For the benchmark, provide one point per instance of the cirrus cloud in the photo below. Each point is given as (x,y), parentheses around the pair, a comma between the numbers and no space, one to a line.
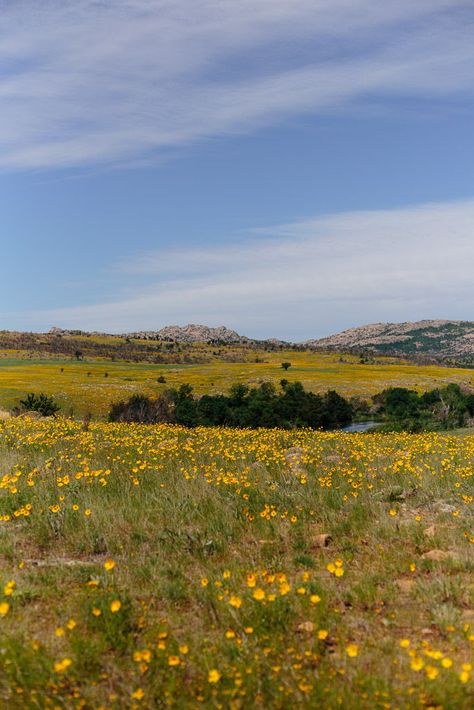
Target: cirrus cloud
(86,82)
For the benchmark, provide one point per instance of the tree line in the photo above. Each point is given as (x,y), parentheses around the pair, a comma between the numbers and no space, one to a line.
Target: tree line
(393,409)
(406,410)
(244,406)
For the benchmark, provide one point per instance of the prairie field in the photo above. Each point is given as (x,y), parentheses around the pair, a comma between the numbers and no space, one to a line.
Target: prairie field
(163,567)
(90,386)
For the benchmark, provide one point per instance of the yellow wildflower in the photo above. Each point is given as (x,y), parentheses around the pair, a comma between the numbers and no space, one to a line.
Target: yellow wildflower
(417,664)
(352,650)
(214,676)
(61,666)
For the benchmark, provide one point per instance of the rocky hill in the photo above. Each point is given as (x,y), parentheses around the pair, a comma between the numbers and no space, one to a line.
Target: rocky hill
(193,334)
(437,338)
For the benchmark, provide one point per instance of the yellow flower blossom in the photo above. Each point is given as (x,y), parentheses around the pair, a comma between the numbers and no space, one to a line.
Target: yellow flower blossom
(62,666)
(431,672)
(214,676)
(417,663)
(352,650)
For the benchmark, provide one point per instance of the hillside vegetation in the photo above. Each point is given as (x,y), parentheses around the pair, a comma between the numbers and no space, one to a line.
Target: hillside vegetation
(442,339)
(92,385)
(154,567)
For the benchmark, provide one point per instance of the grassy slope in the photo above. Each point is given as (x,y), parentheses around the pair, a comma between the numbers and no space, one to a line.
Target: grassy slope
(226,598)
(75,388)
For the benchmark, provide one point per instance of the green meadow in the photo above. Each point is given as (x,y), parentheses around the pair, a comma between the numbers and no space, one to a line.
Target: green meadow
(91,385)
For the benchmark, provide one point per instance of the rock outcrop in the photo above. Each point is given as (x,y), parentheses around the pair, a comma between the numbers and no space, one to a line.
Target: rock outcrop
(193,334)
(440,338)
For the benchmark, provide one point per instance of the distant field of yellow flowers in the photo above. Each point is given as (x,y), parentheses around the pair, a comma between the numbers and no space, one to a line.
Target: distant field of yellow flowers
(92,385)
(159,567)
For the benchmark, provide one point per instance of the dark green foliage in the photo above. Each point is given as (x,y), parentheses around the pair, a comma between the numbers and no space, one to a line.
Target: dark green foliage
(470,404)
(244,407)
(213,410)
(185,406)
(286,365)
(337,410)
(41,403)
(403,409)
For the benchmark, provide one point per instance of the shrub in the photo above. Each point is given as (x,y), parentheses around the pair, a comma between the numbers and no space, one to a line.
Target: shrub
(143,410)
(41,403)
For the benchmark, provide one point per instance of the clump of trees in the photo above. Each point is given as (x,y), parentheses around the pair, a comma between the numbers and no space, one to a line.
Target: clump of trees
(244,406)
(407,410)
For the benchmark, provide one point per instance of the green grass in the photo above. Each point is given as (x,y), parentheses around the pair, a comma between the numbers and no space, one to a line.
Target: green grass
(84,387)
(227,598)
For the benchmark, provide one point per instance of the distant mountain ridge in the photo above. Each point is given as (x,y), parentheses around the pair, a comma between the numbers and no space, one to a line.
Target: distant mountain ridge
(437,338)
(193,333)
(440,339)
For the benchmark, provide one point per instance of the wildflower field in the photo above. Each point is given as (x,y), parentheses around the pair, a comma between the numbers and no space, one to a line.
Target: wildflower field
(157,566)
(92,385)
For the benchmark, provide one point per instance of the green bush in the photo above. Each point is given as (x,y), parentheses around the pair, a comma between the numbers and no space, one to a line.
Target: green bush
(42,403)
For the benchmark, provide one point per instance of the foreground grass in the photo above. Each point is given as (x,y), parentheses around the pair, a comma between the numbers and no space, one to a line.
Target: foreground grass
(92,385)
(153,567)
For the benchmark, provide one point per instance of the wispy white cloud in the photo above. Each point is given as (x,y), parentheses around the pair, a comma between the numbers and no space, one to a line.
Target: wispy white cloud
(316,277)
(86,82)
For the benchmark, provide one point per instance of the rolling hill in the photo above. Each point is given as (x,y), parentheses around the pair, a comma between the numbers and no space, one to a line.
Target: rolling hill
(447,339)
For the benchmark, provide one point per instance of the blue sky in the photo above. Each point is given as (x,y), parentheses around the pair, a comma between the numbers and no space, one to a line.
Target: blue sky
(287,168)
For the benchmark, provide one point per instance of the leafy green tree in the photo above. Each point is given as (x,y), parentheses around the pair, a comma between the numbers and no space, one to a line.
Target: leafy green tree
(338,410)
(453,406)
(185,407)
(214,410)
